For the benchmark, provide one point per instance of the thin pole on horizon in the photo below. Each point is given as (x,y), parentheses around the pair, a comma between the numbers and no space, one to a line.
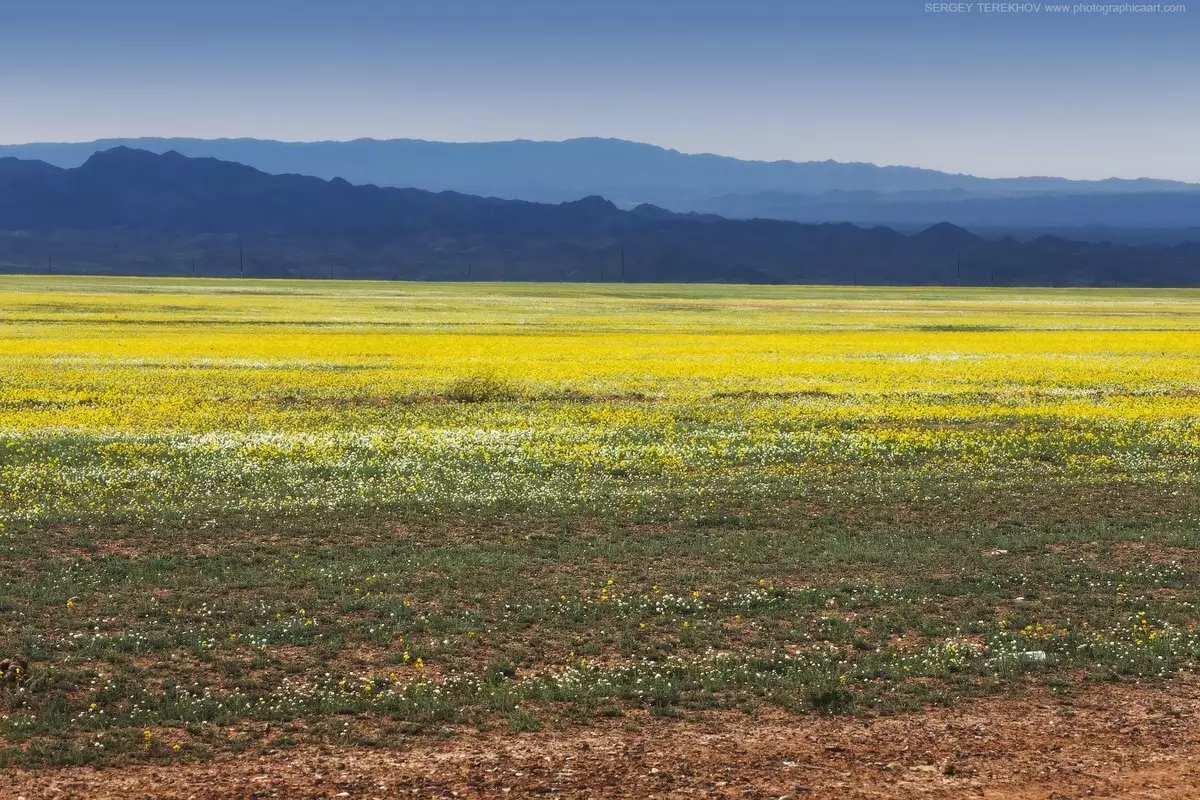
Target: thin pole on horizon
(622,265)
(241,261)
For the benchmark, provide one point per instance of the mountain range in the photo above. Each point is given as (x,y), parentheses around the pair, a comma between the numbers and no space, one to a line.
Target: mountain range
(632,173)
(134,211)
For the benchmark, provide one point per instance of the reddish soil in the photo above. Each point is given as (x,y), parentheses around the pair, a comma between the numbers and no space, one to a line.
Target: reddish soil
(1108,741)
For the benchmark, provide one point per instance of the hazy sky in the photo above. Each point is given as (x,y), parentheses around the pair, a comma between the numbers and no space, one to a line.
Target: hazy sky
(989,90)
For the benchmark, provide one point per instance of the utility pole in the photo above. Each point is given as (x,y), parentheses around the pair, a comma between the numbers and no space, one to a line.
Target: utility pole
(193,267)
(622,265)
(50,266)
(241,261)
(958,270)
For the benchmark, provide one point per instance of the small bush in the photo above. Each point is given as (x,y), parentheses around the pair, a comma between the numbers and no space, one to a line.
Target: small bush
(831,701)
(480,389)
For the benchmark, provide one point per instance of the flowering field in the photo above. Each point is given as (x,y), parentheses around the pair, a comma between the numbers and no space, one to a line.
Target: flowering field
(251,514)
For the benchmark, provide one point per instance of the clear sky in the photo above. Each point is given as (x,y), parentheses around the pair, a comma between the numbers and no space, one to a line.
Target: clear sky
(989,89)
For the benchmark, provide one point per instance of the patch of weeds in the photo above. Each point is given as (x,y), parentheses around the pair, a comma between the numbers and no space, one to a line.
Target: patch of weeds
(522,721)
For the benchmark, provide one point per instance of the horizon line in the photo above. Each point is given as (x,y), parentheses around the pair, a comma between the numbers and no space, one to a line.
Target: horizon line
(617,139)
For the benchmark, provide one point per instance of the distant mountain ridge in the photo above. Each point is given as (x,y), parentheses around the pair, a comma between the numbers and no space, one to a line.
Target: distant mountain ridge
(127,210)
(628,173)
(1133,210)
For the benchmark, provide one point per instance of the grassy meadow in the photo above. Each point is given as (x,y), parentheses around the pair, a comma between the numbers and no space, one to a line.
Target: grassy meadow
(248,514)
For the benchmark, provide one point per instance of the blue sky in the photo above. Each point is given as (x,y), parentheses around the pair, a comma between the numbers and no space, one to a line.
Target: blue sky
(986,91)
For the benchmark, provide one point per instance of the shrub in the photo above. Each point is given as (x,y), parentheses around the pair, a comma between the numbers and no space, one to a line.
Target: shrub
(480,388)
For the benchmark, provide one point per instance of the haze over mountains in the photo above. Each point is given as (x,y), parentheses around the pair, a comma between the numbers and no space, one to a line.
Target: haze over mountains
(133,211)
(630,173)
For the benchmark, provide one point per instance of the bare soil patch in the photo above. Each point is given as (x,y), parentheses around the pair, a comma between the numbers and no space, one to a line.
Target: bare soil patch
(1123,741)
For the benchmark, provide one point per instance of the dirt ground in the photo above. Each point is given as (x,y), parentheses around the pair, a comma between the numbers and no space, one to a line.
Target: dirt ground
(1107,741)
